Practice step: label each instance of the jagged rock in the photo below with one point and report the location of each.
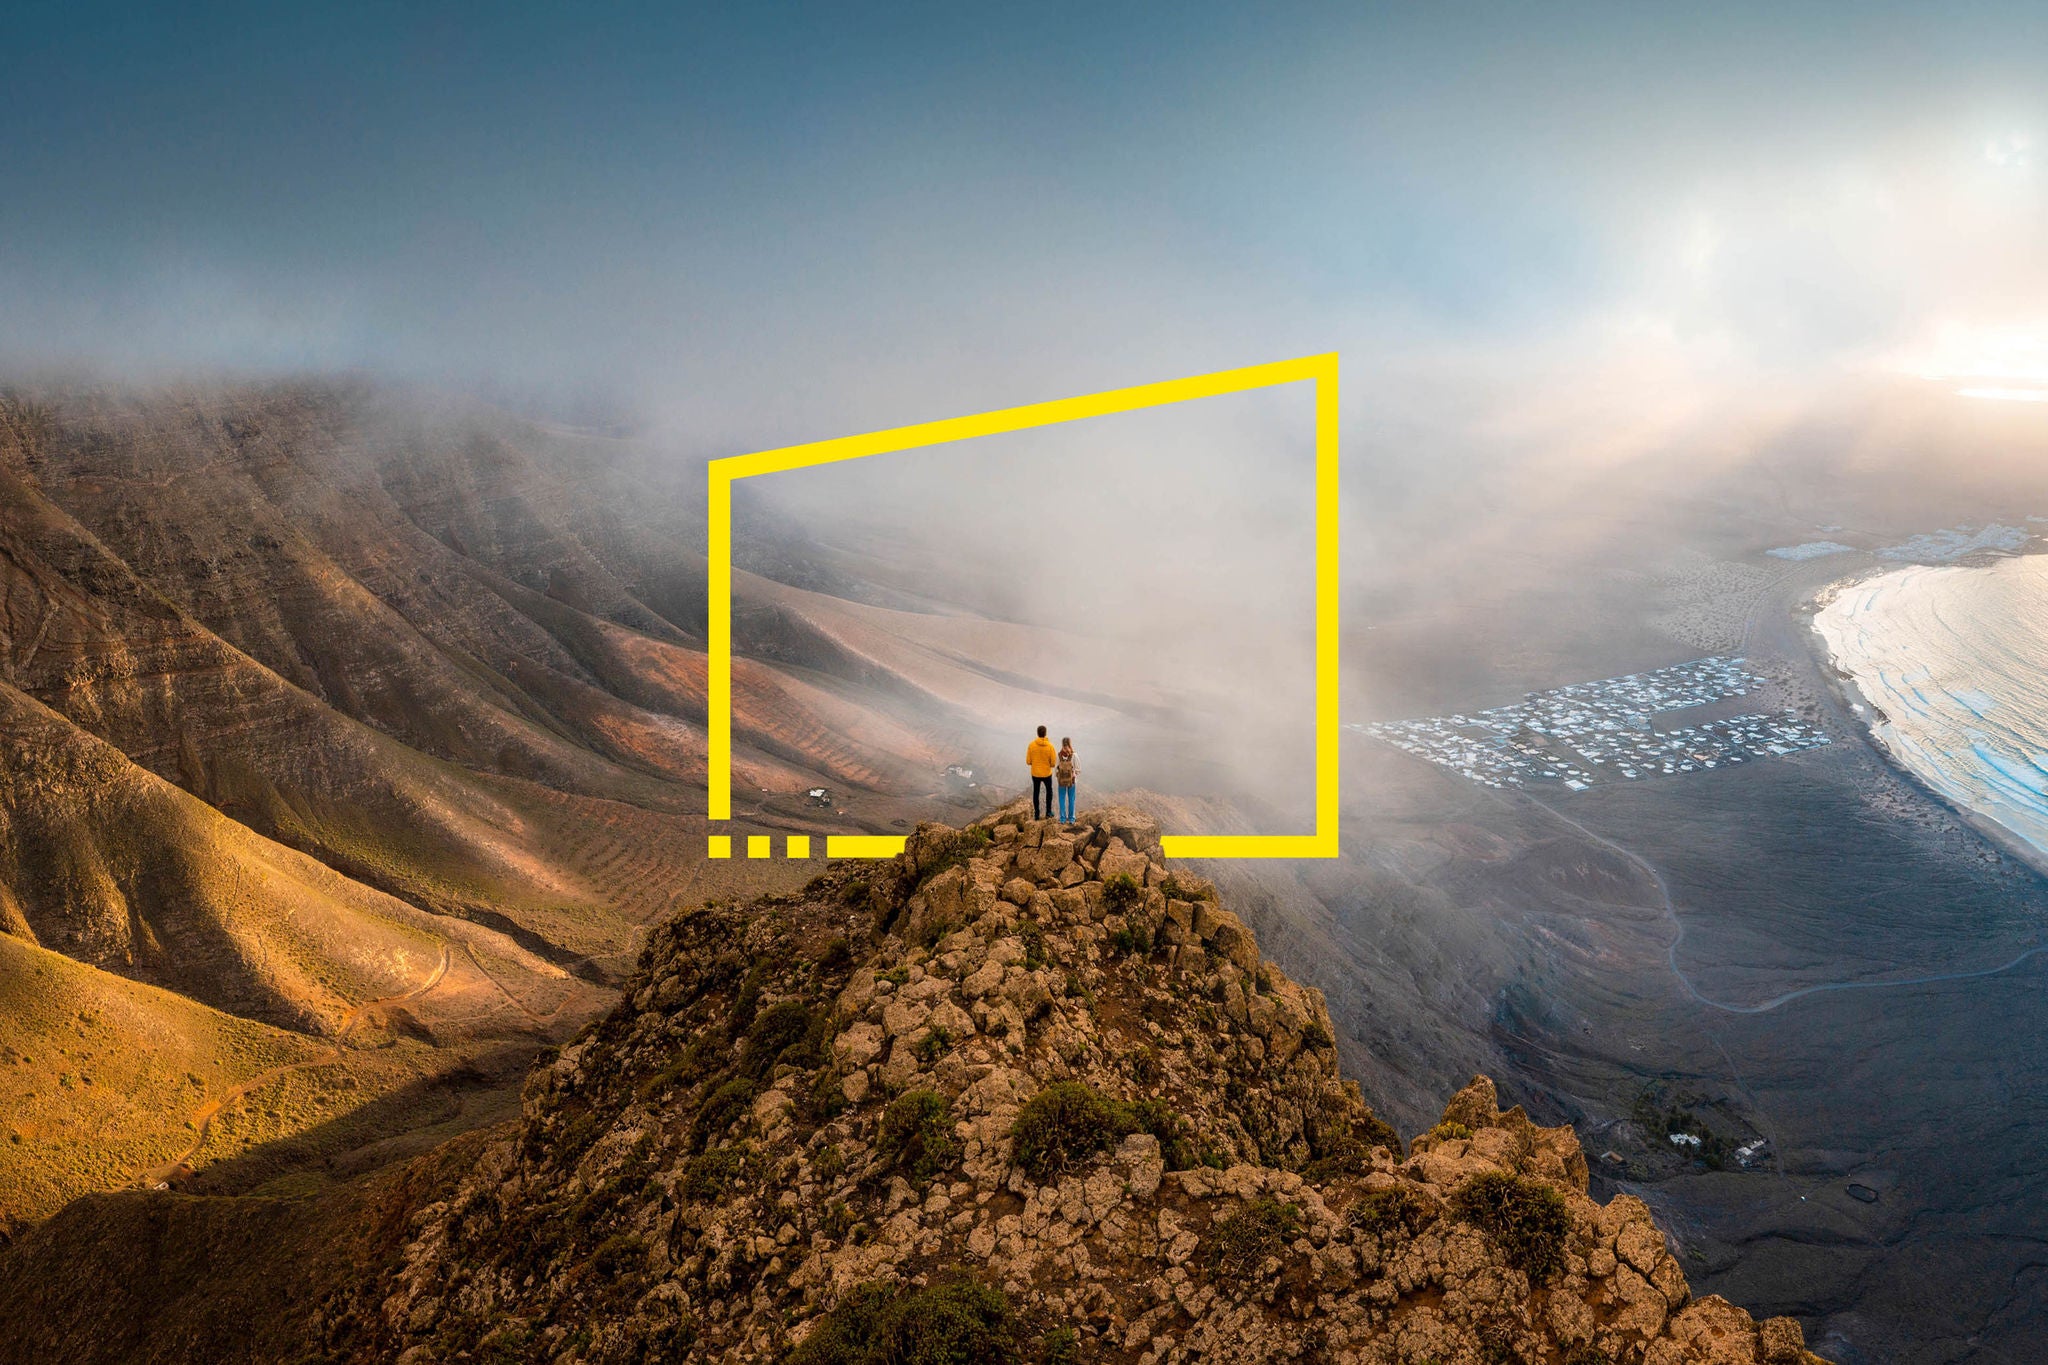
(1782, 1340)
(1226, 935)
(676, 1192)
(1119, 861)
(1047, 860)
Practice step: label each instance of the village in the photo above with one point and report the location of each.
(1601, 731)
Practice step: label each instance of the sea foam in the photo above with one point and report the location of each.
(1954, 658)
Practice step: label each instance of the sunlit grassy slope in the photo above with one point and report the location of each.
(99, 1076)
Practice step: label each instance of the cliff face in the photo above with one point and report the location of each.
(1023, 1094)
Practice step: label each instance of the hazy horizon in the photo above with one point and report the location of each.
(736, 231)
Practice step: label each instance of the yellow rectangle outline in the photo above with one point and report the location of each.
(1318, 369)
(863, 845)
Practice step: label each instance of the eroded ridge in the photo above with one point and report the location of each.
(1027, 1093)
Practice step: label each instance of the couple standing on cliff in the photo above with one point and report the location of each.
(1046, 764)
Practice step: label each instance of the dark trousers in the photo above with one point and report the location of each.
(1039, 784)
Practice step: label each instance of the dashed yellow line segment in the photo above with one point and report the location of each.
(799, 846)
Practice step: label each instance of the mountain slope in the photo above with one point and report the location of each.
(1025, 1094)
(99, 1076)
(272, 745)
(115, 867)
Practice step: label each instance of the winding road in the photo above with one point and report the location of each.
(1775, 1002)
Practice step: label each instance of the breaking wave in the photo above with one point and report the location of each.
(1954, 660)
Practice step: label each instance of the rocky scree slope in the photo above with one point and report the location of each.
(1024, 1093)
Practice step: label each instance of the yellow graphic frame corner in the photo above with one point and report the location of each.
(1320, 370)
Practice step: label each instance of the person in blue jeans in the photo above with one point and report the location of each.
(1066, 770)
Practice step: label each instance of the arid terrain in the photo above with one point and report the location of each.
(1025, 1093)
(354, 738)
(353, 735)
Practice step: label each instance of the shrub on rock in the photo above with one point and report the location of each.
(724, 1105)
(1527, 1220)
(1062, 1124)
(917, 1134)
(709, 1177)
(1395, 1210)
(955, 1322)
(1241, 1242)
(777, 1027)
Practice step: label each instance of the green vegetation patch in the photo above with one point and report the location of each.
(774, 1029)
(1034, 945)
(1132, 939)
(1527, 1220)
(618, 1253)
(934, 1045)
(1394, 1211)
(687, 1065)
(1121, 893)
(955, 1322)
(721, 1108)
(1062, 1124)
(917, 1135)
(837, 957)
(710, 1176)
(1341, 1141)
(1240, 1243)
(1060, 1346)
(1068, 1122)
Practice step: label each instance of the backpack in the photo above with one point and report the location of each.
(1065, 769)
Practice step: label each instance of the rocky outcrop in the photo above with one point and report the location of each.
(1027, 1093)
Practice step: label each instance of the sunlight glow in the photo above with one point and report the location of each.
(2007, 363)
(2007, 395)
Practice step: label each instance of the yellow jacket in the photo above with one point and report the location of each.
(1041, 756)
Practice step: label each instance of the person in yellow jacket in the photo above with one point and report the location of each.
(1040, 757)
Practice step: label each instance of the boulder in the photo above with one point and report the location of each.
(1226, 935)
(1045, 862)
(859, 1044)
(1121, 861)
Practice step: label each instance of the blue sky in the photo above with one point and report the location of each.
(784, 220)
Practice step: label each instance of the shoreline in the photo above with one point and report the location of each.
(1864, 715)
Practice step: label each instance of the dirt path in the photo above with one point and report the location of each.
(179, 1167)
(1670, 909)
(533, 1016)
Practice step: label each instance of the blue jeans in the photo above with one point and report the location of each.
(1067, 805)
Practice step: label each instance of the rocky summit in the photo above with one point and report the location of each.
(1025, 1093)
